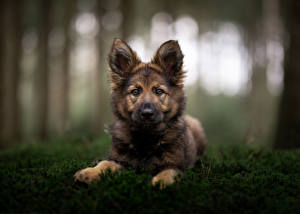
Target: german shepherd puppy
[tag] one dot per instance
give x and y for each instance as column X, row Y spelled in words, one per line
column 150, row 131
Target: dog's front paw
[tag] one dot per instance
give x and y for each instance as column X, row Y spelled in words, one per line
column 165, row 178
column 87, row 175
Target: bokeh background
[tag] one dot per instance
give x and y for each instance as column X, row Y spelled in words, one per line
column 241, row 56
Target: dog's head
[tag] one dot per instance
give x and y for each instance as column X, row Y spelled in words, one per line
column 147, row 94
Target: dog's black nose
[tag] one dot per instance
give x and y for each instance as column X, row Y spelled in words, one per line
column 147, row 110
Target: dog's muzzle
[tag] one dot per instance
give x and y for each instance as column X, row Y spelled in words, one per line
column 147, row 111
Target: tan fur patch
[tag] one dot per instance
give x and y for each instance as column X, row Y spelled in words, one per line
column 104, row 165
column 165, row 178
column 91, row 174
column 139, row 66
column 165, row 103
column 155, row 67
column 130, row 102
column 150, row 65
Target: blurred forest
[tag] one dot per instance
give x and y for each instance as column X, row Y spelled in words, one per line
column 242, row 59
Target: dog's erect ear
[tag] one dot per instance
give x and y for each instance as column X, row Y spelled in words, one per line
column 121, row 60
column 170, row 58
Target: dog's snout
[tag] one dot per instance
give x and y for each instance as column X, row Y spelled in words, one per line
column 147, row 110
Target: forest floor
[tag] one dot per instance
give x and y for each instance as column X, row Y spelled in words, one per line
column 229, row 179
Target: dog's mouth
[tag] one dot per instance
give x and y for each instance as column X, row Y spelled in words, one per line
column 146, row 122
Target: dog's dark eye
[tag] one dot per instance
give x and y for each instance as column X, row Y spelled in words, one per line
column 135, row 92
column 159, row 91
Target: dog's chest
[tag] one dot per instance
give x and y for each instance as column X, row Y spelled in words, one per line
column 145, row 152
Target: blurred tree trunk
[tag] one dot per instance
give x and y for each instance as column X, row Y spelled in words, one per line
column 128, row 11
column 257, row 100
column 261, row 103
column 258, row 106
column 12, row 74
column 69, row 11
column 288, row 128
column 258, row 95
column 97, row 81
column 2, row 6
column 42, row 85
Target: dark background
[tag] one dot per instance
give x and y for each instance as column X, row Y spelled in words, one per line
column 242, row 59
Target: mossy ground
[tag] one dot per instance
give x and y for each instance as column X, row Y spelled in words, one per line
column 229, row 179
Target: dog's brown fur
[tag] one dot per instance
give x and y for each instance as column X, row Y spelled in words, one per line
column 165, row 142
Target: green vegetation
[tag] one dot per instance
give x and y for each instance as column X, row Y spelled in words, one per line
column 39, row 179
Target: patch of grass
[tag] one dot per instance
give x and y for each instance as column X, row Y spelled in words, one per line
column 39, row 179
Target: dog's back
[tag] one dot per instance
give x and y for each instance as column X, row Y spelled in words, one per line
column 197, row 133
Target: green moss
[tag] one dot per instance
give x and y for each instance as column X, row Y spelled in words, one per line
column 39, row 179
